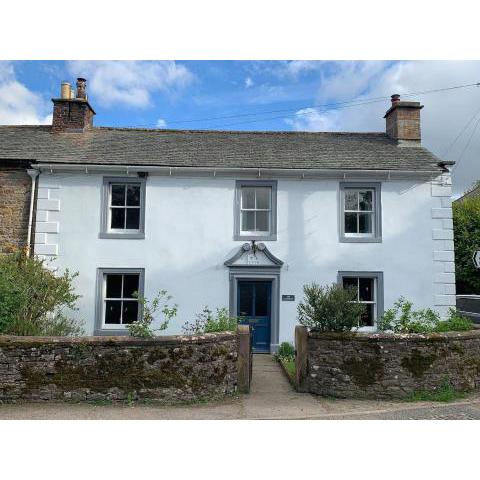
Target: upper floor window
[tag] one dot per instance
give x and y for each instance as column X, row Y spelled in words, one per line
column 360, row 217
column 123, row 209
column 256, row 210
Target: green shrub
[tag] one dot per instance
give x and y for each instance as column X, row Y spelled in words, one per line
column 401, row 318
column 208, row 322
column 444, row 393
column 466, row 229
column 143, row 327
column 454, row 323
column 330, row 308
column 286, row 350
column 33, row 299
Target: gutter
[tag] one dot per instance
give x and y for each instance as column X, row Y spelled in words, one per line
column 33, row 175
column 298, row 173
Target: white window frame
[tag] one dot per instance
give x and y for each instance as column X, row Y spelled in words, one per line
column 375, row 212
column 377, row 294
column 102, row 328
column 240, row 234
column 126, row 233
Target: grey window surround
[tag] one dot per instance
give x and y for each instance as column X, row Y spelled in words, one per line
column 237, row 235
column 377, row 187
column 380, row 292
column 104, row 228
column 99, row 329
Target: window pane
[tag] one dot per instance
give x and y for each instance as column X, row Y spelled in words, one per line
column 263, row 197
column 350, row 282
column 133, row 195
column 366, row 200
column 112, row 311
column 114, row 286
column 262, row 221
column 133, row 218
column 118, row 218
column 350, row 223
column 130, row 285
column 366, row 289
column 261, row 299
column 248, row 221
column 245, row 292
column 248, row 197
column 130, row 312
column 351, row 200
column 368, row 317
column 118, row 194
column 365, row 223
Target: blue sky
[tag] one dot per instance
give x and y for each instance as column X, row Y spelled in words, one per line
column 281, row 95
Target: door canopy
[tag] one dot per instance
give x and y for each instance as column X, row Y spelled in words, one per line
column 254, row 255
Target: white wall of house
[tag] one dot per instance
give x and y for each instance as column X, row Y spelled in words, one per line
column 189, row 226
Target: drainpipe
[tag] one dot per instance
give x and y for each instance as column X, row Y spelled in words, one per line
column 33, row 175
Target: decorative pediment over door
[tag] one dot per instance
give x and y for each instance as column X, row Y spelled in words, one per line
column 254, row 255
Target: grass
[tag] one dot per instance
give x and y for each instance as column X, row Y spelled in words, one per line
column 288, row 365
column 446, row 393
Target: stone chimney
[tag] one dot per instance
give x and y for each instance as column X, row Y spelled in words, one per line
column 403, row 121
column 72, row 112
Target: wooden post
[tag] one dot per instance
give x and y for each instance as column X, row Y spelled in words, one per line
column 243, row 333
column 301, row 357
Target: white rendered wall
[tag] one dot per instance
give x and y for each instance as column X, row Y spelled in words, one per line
column 189, row 228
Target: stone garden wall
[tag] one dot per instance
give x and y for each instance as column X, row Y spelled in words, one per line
column 379, row 365
column 167, row 369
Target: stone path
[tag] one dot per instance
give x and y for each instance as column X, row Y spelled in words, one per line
column 271, row 397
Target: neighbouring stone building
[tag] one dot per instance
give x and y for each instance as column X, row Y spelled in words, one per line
column 15, row 196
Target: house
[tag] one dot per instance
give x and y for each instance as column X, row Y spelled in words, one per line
column 471, row 193
column 237, row 219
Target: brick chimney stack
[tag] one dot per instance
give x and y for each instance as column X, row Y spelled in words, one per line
column 72, row 112
column 403, row 121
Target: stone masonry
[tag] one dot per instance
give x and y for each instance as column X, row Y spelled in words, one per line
column 380, row 365
column 167, row 369
column 15, row 190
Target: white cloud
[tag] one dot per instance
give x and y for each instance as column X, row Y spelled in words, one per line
column 311, row 120
column 161, row 123
column 18, row 104
column 130, row 82
column 248, row 82
column 444, row 114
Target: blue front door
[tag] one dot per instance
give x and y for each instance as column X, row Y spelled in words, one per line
column 254, row 304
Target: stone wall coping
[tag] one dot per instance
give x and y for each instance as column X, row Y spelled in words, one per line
column 11, row 340
column 395, row 337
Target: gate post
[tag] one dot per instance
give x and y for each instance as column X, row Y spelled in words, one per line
column 301, row 357
column 244, row 358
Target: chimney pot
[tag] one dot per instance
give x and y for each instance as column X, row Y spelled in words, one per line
column 65, row 90
column 81, row 88
column 395, row 98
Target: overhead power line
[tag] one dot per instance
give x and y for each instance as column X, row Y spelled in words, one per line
column 467, row 144
column 314, row 109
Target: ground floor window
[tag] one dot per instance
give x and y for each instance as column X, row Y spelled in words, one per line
column 118, row 297
column 369, row 288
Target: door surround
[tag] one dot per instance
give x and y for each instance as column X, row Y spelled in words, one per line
column 263, row 274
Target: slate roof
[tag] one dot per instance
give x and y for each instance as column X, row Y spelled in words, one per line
column 236, row 149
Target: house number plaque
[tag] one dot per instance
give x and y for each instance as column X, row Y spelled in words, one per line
column 288, row 298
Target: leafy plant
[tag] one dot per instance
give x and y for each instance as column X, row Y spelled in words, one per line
column 401, row 318
column 208, row 322
column 34, row 300
column 466, row 229
column 445, row 393
column 454, row 323
column 143, row 327
column 286, row 351
column 331, row 308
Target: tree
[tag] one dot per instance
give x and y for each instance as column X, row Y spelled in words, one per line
column 466, row 228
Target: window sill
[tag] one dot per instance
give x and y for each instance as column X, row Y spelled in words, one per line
column 360, row 240
column 260, row 238
column 124, row 236
column 106, row 332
